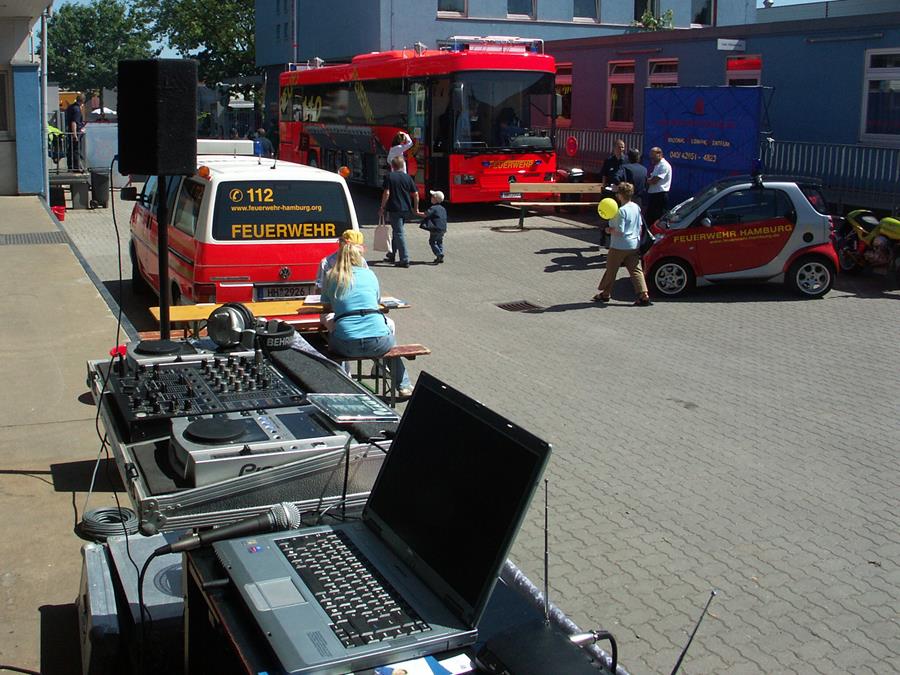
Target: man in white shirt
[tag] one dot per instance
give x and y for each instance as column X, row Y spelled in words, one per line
column 658, row 183
column 401, row 143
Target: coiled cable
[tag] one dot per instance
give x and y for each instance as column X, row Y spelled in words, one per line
column 98, row 524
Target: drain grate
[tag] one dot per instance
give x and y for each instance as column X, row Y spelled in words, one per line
column 518, row 306
column 56, row 237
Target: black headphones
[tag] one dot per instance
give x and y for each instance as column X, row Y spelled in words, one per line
column 232, row 324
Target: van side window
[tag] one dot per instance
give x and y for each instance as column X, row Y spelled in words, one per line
column 148, row 194
column 171, row 193
column 188, row 206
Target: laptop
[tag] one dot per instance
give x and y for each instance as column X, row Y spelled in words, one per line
column 435, row 532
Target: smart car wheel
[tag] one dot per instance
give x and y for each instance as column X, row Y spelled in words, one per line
column 811, row 277
column 672, row 277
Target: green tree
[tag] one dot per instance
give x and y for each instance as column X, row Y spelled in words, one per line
column 218, row 34
column 86, row 42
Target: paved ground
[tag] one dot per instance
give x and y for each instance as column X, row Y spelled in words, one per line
column 739, row 440
column 54, row 320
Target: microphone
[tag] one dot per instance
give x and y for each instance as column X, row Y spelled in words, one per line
column 283, row 516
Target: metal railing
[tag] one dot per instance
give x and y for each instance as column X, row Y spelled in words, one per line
column 593, row 145
column 59, row 160
column 863, row 175
column 851, row 174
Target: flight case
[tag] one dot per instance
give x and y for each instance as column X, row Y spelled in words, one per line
column 244, row 396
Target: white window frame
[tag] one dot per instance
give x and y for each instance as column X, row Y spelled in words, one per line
column 619, row 78
column 870, row 74
column 531, row 15
column 662, row 79
column 743, row 74
column 587, row 19
column 451, row 14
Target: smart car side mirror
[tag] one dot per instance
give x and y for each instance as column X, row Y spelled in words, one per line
column 128, row 194
column 705, row 221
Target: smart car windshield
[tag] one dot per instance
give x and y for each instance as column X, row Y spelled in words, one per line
column 686, row 210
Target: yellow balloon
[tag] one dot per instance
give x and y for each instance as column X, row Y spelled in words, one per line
column 607, row 208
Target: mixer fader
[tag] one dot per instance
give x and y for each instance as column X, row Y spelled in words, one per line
column 148, row 394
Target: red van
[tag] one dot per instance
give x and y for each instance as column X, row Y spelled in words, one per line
column 242, row 228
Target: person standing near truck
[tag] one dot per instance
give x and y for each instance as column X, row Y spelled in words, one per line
column 659, row 182
column 635, row 173
column 612, row 164
column 74, row 133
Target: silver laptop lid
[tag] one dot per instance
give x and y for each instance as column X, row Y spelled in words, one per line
column 453, row 491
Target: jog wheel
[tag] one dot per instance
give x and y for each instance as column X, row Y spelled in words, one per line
column 215, row 431
column 157, row 347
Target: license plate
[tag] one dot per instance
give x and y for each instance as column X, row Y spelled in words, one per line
column 510, row 195
column 288, row 292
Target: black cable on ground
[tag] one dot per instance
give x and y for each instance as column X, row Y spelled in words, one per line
column 99, row 524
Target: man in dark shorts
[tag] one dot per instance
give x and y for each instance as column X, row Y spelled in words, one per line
column 399, row 200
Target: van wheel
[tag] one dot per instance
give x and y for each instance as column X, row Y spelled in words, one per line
column 810, row 276
column 139, row 285
column 672, row 277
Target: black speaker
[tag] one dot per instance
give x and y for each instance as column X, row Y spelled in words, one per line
column 157, row 113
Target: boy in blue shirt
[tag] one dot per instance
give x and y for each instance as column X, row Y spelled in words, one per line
column 435, row 221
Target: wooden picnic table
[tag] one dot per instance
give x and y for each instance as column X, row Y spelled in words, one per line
column 300, row 314
column 553, row 189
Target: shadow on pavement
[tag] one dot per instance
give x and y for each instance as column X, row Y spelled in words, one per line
column 59, row 640
column 566, row 259
column 76, row 476
column 135, row 307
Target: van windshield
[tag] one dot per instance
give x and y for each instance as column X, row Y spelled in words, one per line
column 280, row 210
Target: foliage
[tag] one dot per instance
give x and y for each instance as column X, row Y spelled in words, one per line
column 86, row 42
column 649, row 21
column 218, row 34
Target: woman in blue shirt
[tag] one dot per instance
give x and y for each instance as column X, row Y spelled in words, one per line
column 625, row 231
column 360, row 328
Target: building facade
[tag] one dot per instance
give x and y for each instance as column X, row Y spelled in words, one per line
column 23, row 163
column 834, row 80
column 295, row 31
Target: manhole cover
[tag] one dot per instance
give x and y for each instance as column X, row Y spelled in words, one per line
column 518, row 306
column 55, row 237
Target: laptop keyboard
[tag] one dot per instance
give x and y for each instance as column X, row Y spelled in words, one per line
column 361, row 603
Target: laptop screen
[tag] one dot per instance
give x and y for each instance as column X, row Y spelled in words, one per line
column 453, row 490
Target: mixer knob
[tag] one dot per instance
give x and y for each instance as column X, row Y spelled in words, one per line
column 157, row 407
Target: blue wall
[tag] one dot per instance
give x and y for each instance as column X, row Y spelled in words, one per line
column 339, row 30
column 817, row 86
column 27, row 115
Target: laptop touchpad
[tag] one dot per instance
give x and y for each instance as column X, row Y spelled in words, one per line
column 274, row 594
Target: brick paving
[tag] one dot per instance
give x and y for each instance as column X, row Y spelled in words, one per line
column 739, row 439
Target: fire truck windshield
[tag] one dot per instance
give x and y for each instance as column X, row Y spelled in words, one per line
column 509, row 112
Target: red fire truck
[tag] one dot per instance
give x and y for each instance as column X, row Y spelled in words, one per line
column 481, row 111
